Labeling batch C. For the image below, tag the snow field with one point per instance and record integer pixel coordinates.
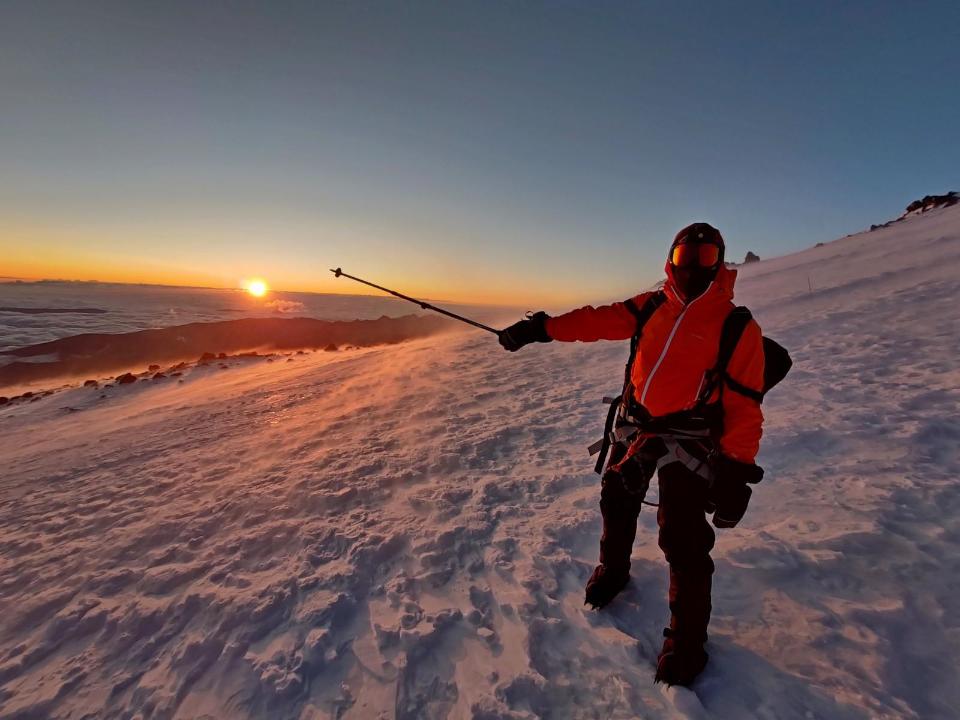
(404, 532)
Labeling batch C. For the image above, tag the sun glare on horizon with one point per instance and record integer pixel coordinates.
(257, 288)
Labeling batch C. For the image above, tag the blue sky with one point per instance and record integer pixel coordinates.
(507, 151)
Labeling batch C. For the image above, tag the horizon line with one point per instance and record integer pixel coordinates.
(11, 280)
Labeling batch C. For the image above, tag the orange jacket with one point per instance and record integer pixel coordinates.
(679, 345)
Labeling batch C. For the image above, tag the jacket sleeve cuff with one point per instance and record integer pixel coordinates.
(547, 327)
(738, 456)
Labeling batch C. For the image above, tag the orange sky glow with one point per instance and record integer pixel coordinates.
(43, 254)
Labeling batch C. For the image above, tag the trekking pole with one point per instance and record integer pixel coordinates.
(426, 306)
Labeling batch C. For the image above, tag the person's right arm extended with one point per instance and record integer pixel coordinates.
(588, 324)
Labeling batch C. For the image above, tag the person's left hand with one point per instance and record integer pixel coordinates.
(729, 492)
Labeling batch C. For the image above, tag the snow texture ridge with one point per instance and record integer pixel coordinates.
(404, 531)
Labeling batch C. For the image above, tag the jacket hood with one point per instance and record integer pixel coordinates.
(720, 289)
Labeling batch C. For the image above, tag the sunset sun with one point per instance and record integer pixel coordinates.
(257, 288)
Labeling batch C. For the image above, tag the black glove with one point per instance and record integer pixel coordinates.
(533, 329)
(729, 493)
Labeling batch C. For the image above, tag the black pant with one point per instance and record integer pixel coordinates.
(686, 537)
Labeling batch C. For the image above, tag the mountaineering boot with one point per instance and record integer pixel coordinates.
(623, 487)
(680, 660)
(686, 539)
(604, 585)
(683, 657)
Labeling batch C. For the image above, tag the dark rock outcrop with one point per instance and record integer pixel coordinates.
(929, 202)
(751, 257)
(126, 379)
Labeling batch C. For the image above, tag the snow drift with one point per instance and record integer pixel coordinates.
(404, 532)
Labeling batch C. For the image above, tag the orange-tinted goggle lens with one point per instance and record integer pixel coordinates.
(689, 254)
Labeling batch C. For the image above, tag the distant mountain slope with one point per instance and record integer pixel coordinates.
(102, 352)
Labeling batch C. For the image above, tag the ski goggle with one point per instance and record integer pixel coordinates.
(690, 254)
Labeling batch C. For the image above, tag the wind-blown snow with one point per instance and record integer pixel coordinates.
(91, 307)
(405, 531)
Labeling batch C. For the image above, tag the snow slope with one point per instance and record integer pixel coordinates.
(404, 532)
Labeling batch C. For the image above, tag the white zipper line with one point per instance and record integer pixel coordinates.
(703, 380)
(663, 354)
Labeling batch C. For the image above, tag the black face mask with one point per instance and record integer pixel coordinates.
(691, 282)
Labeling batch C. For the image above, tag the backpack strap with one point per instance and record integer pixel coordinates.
(642, 315)
(733, 327)
(743, 389)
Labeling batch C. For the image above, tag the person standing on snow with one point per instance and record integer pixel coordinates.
(700, 433)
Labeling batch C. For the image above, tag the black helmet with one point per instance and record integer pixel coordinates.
(696, 256)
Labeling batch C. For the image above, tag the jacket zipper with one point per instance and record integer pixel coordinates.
(663, 353)
(696, 397)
